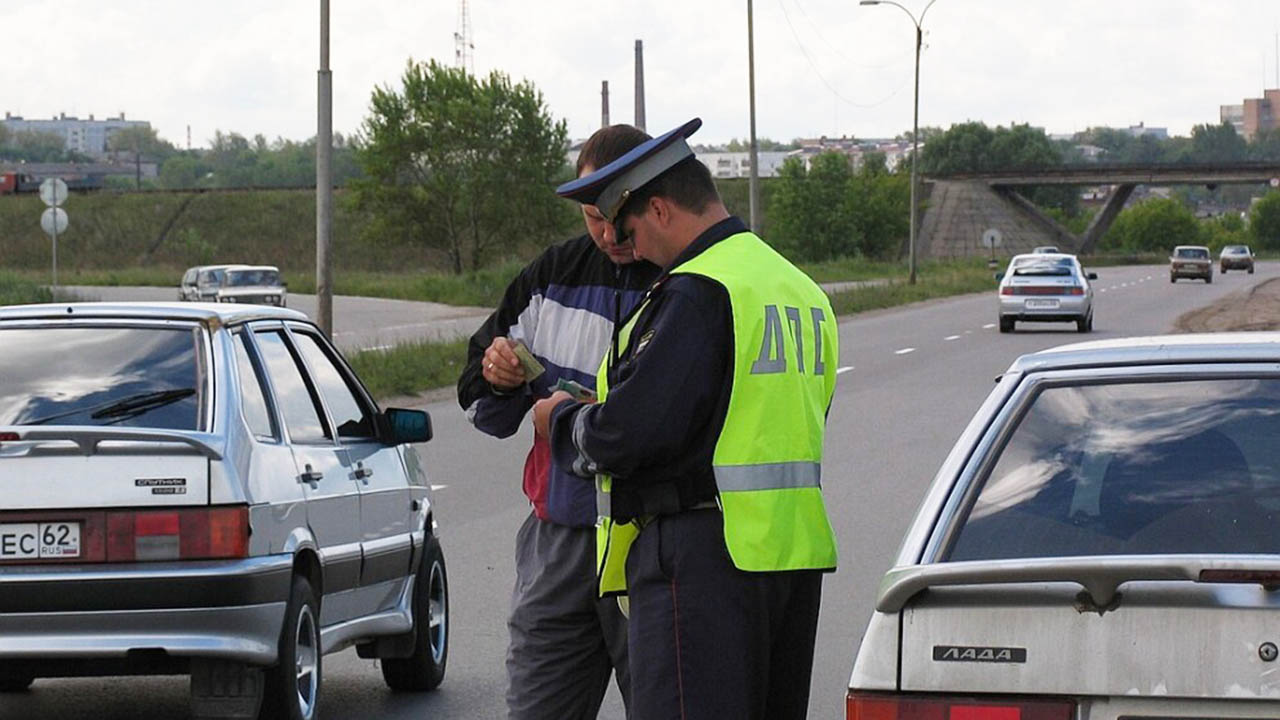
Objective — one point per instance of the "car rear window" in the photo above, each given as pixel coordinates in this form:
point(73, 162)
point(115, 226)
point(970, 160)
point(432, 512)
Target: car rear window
point(1144, 468)
point(118, 376)
point(1051, 270)
point(1194, 253)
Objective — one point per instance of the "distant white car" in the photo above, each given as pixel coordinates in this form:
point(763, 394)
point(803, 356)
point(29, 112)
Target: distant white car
point(1043, 249)
point(254, 284)
point(1045, 288)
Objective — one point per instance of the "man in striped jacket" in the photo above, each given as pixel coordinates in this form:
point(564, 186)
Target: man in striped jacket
point(565, 641)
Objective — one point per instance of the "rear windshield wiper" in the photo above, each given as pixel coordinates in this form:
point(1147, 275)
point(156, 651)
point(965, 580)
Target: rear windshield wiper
point(142, 402)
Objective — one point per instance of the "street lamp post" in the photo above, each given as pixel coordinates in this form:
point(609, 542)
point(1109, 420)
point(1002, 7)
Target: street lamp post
point(915, 127)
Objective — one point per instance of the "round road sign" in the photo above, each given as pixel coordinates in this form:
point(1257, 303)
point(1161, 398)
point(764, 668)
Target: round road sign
point(991, 238)
point(54, 220)
point(53, 191)
point(1275, 182)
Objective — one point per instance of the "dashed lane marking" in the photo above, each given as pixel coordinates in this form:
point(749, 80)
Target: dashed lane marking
point(439, 487)
point(988, 326)
point(904, 351)
point(843, 370)
point(951, 337)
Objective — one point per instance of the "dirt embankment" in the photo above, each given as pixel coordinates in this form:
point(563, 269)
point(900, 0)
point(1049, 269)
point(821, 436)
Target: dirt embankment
point(1257, 308)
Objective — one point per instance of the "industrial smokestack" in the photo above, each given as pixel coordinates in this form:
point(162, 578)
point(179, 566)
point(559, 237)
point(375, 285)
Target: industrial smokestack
point(604, 103)
point(640, 84)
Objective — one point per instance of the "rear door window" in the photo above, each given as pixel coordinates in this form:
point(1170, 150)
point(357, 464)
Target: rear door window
point(119, 376)
point(301, 411)
point(1142, 468)
point(253, 398)
point(350, 416)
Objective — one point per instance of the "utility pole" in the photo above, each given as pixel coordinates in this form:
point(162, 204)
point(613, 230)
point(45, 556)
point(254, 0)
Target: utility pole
point(463, 47)
point(640, 84)
point(754, 183)
point(324, 180)
point(604, 103)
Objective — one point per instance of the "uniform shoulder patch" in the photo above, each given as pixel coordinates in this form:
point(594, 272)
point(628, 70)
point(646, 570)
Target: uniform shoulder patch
point(643, 342)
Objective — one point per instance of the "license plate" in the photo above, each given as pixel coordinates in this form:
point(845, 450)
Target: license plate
point(1041, 304)
point(34, 541)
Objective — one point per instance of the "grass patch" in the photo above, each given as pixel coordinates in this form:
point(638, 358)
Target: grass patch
point(409, 368)
point(17, 290)
point(935, 282)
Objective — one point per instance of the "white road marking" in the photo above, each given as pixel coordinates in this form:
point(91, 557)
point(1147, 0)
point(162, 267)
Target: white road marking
point(968, 332)
point(1102, 289)
point(439, 487)
point(904, 351)
point(951, 337)
point(988, 326)
point(843, 370)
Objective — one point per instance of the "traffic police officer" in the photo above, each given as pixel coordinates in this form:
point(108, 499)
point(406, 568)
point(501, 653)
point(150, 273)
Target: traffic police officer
point(706, 446)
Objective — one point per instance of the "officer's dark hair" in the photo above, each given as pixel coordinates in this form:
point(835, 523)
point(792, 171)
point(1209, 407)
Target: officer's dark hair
point(608, 144)
point(688, 184)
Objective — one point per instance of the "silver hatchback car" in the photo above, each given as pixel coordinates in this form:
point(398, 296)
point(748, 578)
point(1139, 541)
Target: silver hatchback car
point(1045, 287)
point(1102, 543)
point(208, 489)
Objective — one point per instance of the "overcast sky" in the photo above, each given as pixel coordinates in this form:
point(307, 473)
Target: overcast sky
point(822, 66)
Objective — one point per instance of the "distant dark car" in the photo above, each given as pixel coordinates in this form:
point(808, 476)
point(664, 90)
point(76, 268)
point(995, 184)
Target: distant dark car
point(1191, 261)
point(1235, 257)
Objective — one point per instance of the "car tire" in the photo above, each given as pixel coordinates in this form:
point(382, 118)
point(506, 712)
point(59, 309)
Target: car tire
point(1085, 324)
point(1208, 279)
point(1250, 269)
point(1006, 325)
point(1173, 279)
point(292, 686)
point(1223, 270)
point(13, 680)
point(424, 669)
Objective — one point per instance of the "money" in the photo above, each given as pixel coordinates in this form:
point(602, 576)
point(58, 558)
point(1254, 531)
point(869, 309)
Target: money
point(532, 368)
point(579, 393)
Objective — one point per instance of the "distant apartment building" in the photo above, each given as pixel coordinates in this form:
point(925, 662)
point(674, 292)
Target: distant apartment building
point(1141, 129)
point(738, 164)
point(87, 137)
point(894, 151)
point(1254, 115)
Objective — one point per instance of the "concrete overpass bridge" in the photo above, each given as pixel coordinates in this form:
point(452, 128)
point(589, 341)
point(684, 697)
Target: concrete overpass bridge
point(959, 208)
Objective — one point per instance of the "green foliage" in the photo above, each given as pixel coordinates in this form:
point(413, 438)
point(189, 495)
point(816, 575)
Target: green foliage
point(1153, 225)
point(812, 218)
point(1227, 229)
point(409, 368)
point(36, 147)
point(762, 144)
point(18, 290)
point(934, 280)
point(461, 164)
point(1264, 221)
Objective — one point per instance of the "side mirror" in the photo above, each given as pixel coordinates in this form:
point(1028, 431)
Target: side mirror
point(999, 275)
point(406, 426)
point(1092, 276)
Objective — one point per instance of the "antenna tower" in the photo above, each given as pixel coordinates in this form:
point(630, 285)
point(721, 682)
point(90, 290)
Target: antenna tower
point(464, 48)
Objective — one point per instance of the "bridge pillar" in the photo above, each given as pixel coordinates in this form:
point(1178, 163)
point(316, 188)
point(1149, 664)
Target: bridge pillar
point(1102, 221)
point(958, 212)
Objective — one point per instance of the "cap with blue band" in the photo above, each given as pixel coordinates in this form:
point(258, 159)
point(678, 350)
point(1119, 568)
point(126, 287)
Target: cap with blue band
point(609, 187)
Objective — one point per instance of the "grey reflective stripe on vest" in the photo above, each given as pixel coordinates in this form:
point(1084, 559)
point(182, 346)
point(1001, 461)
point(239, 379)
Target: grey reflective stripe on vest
point(772, 476)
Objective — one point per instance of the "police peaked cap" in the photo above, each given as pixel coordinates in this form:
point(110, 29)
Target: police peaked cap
point(609, 187)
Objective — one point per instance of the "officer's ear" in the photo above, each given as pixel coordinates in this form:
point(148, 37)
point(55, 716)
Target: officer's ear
point(661, 208)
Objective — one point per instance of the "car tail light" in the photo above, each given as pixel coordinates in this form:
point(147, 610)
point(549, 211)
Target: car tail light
point(885, 706)
point(1006, 290)
point(183, 534)
point(1075, 290)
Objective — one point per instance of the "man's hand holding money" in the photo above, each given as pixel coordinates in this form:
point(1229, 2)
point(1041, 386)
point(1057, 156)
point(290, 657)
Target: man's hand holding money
point(502, 368)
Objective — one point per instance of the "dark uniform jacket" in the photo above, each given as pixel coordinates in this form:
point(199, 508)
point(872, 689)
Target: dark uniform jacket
point(668, 397)
point(562, 305)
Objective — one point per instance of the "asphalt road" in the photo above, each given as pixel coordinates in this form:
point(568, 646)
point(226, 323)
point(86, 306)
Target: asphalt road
point(910, 379)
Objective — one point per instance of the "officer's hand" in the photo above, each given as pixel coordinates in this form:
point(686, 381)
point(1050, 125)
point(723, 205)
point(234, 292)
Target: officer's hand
point(501, 367)
point(542, 412)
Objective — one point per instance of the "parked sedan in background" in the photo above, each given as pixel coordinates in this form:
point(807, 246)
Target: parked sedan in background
point(1191, 261)
point(208, 490)
point(1235, 257)
point(1102, 542)
point(257, 284)
point(1045, 287)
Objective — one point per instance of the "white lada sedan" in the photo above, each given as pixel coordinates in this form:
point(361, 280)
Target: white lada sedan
point(207, 489)
point(1045, 287)
point(1102, 543)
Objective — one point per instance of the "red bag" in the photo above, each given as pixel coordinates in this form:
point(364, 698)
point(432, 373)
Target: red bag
point(537, 468)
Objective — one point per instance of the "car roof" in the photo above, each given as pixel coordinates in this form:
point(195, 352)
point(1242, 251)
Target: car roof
point(206, 313)
point(1041, 257)
point(1156, 350)
point(1190, 247)
point(238, 268)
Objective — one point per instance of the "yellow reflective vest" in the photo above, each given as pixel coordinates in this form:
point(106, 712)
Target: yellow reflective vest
point(768, 457)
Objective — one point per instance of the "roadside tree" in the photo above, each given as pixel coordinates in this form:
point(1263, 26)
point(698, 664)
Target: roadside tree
point(812, 216)
point(461, 164)
point(1264, 221)
point(1155, 225)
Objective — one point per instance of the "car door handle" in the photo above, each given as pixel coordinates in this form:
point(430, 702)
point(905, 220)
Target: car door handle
point(362, 473)
point(311, 477)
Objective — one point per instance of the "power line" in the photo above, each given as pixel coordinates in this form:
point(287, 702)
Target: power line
point(823, 78)
point(818, 31)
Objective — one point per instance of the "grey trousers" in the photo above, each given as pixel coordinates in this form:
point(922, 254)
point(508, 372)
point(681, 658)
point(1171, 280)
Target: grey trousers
point(565, 641)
